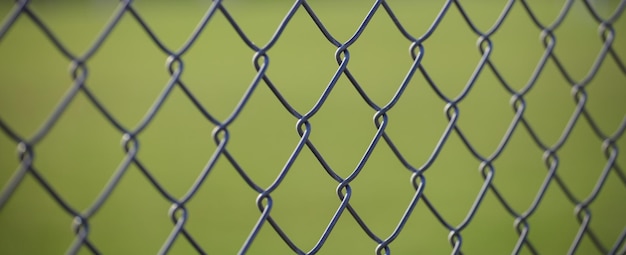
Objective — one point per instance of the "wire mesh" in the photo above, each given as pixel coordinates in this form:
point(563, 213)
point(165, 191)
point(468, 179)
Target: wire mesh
point(416, 73)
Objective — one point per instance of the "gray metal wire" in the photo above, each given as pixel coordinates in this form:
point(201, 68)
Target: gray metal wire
point(221, 135)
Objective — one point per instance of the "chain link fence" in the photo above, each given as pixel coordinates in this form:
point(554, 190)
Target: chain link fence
point(331, 141)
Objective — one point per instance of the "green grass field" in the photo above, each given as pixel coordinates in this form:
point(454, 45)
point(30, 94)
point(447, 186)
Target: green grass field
point(82, 151)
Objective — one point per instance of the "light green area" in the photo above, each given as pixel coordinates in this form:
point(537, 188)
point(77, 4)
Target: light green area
point(82, 151)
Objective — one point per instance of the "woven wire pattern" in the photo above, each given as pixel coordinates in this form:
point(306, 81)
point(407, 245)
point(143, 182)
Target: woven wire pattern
point(417, 173)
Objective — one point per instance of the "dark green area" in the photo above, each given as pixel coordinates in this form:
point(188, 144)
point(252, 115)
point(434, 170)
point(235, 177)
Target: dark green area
point(83, 149)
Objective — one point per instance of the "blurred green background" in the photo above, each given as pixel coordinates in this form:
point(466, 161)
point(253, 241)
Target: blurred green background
point(83, 149)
